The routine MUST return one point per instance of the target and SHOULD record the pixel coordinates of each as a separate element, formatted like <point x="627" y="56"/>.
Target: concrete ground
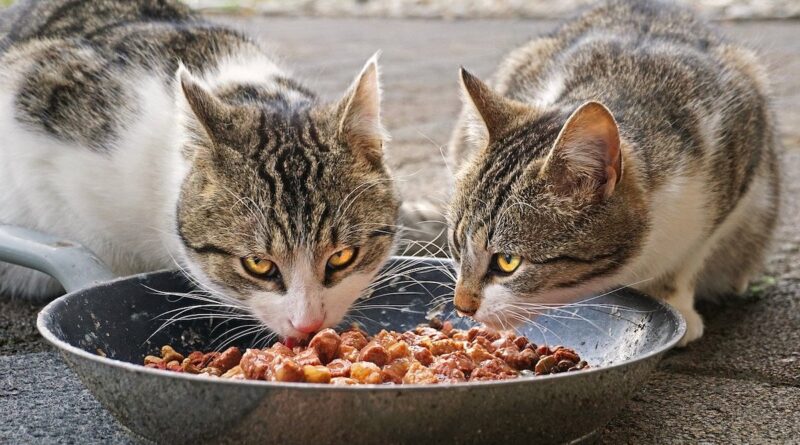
<point x="739" y="384"/>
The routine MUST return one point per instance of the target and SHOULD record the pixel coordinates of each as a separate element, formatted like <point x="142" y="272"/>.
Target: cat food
<point x="428" y="354"/>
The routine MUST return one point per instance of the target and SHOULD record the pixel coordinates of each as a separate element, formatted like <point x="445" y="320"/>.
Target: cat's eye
<point x="342" y="258"/>
<point x="505" y="263"/>
<point x="259" y="266"/>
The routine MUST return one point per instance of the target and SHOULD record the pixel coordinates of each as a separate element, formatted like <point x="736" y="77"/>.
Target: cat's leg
<point x="677" y="289"/>
<point x="740" y="244"/>
<point x="27" y="284"/>
<point x="683" y="299"/>
<point x="724" y="263"/>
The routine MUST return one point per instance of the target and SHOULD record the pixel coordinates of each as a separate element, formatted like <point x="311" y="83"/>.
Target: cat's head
<point x="288" y="209"/>
<point x="544" y="211"/>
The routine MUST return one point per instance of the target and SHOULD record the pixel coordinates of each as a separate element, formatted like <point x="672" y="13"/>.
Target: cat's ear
<point x="489" y="114"/>
<point x="359" y="114"/>
<point x="586" y="157"/>
<point x="205" y="114"/>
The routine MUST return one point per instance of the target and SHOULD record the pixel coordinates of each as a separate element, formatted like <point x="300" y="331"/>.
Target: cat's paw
<point x="694" y="326"/>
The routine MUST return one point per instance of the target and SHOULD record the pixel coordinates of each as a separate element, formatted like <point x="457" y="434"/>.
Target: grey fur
<point x="77" y="55"/>
<point x="663" y="74"/>
<point x="272" y="171"/>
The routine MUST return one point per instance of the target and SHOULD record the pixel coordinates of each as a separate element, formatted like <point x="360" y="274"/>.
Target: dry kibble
<point x="424" y="355"/>
<point x="565" y="365"/>
<point x="152" y="360"/>
<point x="168" y="354"/>
<point x="545" y="365"/>
<point x="189" y="367"/>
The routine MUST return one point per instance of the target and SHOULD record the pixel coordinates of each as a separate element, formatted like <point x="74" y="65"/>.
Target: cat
<point x="150" y="136"/>
<point x="632" y="146"/>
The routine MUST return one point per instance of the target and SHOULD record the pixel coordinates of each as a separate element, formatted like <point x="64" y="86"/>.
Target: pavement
<point x="739" y="384"/>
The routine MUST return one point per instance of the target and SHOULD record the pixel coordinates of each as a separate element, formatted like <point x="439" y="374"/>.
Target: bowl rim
<point x="45" y="318"/>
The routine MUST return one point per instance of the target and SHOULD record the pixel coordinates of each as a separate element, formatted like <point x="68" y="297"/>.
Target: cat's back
<point x="621" y="50"/>
<point x="67" y="19"/>
<point x="77" y="70"/>
<point x="672" y="82"/>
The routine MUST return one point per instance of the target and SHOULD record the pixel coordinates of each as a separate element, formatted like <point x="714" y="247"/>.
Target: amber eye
<point x="258" y="266"/>
<point x="505" y="262"/>
<point x="342" y="258"/>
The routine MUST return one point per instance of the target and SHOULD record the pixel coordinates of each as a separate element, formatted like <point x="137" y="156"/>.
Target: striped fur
<point x="152" y="136"/>
<point x="675" y="192"/>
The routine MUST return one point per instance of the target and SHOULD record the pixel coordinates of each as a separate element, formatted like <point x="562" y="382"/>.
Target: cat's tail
<point x="424" y="229"/>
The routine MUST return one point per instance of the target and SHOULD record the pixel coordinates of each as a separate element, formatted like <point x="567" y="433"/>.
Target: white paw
<point x="694" y="326"/>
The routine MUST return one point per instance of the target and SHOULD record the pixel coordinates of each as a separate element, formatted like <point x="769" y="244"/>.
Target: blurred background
<point x="449" y="9"/>
<point x="454" y="9"/>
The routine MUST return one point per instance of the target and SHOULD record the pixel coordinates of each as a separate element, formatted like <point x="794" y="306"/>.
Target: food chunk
<point x="326" y="343"/>
<point x="366" y="372"/>
<point x="374" y="352"/>
<point x="419" y="373"/>
<point x="436" y="353"/>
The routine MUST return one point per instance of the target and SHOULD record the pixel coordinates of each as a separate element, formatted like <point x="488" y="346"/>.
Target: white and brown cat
<point x="151" y="136"/>
<point x="632" y="146"/>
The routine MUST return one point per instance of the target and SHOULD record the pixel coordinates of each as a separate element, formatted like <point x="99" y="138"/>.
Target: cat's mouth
<point x="503" y="310"/>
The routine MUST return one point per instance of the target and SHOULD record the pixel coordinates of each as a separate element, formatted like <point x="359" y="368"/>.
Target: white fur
<point x="552" y="90"/>
<point x="362" y="118"/>
<point x="677" y="248"/>
<point x="306" y="301"/>
<point x="121" y="203"/>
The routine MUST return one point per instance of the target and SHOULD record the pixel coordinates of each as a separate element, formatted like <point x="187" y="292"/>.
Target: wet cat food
<point x="428" y="354"/>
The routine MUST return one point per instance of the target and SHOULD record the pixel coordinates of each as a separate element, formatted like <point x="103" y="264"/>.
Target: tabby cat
<point x="150" y="135"/>
<point x="632" y="146"/>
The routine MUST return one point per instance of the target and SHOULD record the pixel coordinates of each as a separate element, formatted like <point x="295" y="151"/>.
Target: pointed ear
<point x="490" y="114"/>
<point x="586" y="157"/>
<point x="359" y="114"/>
<point x="207" y="116"/>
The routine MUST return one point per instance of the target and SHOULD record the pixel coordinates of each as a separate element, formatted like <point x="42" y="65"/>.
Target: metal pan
<point x="622" y="334"/>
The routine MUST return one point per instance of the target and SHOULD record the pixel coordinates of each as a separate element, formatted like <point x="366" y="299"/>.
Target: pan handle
<point x="74" y="266"/>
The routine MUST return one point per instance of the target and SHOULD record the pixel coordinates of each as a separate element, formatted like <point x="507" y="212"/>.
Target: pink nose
<point x="308" y="327"/>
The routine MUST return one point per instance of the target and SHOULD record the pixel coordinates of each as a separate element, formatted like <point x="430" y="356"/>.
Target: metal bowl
<point x="104" y="331"/>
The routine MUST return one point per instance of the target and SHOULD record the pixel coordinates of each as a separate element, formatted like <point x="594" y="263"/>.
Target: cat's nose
<point x="308" y="326"/>
<point x="466" y="301"/>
